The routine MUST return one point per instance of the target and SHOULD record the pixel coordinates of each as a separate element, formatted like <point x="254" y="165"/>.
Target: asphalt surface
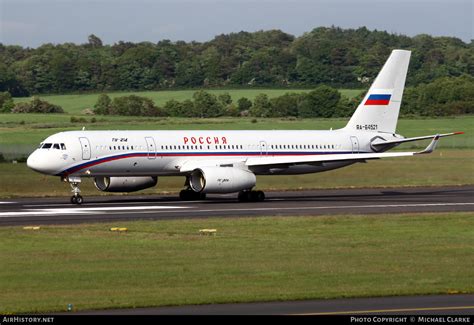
<point x="403" y="305"/>
<point x="38" y="211"/>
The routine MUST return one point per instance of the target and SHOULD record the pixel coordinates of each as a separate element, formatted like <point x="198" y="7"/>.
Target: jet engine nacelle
<point x="124" y="184"/>
<point x="221" y="180"/>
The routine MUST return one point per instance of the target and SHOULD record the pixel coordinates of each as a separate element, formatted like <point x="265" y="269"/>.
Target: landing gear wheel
<point x="259" y="196"/>
<point x="190" y="195"/>
<point x="79" y="199"/>
<point x="251" y="196"/>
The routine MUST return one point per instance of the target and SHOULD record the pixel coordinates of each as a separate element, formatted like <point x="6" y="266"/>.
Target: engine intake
<point x="124" y="184"/>
<point x="221" y="180"/>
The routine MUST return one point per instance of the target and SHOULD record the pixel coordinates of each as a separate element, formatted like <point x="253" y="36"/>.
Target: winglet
<point x="431" y="147"/>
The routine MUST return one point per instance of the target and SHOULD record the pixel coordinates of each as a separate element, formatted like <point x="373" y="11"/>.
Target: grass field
<point x="443" y="167"/>
<point x="75" y="104"/>
<point x="250" y="259"/>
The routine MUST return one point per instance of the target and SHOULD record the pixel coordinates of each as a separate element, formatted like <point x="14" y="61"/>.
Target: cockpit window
<point x="41" y="144"/>
<point x="63" y="146"/>
<point x="56" y="146"/>
<point x="46" y="146"/>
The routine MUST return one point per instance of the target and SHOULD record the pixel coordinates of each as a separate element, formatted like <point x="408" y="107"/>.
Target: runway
<point x="402" y="305"/>
<point x="39" y="211"/>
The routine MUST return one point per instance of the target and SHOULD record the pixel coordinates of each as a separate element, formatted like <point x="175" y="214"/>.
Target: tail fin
<point x="379" y="109"/>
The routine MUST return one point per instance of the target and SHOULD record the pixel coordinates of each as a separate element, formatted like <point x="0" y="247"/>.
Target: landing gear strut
<point x="76" y="198"/>
<point x="251" y="196"/>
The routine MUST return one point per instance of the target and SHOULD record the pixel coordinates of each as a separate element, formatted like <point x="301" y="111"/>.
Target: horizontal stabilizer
<point x="378" y="143"/>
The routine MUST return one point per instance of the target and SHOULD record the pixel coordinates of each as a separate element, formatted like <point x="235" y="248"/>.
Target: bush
<point x="244" y="104"/>
<point x="37" y="106"/>
<point x="102" y="106"/>
<point x="78" y="119"/>
<point x="261" y="106"/>
<point x="207" y="104"/>
<point x="134" y="106"/>
<point x="6" y="102"/>
<point x="442" y="97"/>
<point x="285" y="105"/>
<point x="321" y="102"/>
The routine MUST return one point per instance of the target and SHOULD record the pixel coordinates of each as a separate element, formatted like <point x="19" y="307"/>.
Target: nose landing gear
<point x="76" y="198"/>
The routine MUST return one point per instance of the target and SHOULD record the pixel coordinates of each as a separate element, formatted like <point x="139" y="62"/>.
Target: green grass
<point x="443" y="167"/>
<point x="250" y="259"/>
<point x="75" y="104"/>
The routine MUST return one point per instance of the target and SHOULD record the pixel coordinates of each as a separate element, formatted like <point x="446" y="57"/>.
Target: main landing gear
<point x="251" y="196"/>
<point x="76" y="198"/>
<point x="190" y="195"/>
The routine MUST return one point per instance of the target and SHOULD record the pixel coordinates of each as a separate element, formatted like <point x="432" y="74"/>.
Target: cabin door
<point x="150" y="143"/>
<point x="86" y="148"/>
<point x="355" y="145"/>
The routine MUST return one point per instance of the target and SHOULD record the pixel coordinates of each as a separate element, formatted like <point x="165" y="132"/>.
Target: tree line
<point x="323" y="101"/>
<point x="442" y="97"/>
<point x="332" y="56"/>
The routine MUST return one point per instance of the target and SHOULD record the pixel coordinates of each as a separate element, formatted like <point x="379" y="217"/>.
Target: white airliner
<point x="227" y="161"/>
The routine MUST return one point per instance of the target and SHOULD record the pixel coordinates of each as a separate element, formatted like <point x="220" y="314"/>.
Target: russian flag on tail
<point x="379" y="99"/>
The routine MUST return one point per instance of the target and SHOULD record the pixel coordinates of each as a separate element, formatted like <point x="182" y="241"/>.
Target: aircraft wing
<point x="355" y="157"/>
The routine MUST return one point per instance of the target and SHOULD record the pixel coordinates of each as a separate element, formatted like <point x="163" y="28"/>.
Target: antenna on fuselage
<point x="83" y="128"/>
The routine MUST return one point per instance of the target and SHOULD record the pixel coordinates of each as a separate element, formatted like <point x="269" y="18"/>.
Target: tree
<point x="321" y="102"/>
<point x="134" y="106"/>
<point x="285" y="105"/>
<point x="102" y="106"/>
<point x="261" y="106"/>
<point x="244" y="104"/>
<point x="6" y="102"/>
<point x="207" y="104"/>
<point x="225" y="99"/>
<point x="94" y="41"/>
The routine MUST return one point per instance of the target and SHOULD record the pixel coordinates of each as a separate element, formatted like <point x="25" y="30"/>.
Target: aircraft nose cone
<point x="32" y="161"/>
<point x="38" y="164"/>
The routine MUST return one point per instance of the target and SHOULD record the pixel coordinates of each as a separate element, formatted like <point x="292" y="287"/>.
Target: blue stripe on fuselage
<point x="98" y="161"/>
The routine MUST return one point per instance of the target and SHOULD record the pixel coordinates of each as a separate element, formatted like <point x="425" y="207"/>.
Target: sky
<point x="31" y="23"/>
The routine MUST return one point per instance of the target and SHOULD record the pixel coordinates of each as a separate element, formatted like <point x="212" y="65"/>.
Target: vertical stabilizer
<point x="380" y="107"/>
